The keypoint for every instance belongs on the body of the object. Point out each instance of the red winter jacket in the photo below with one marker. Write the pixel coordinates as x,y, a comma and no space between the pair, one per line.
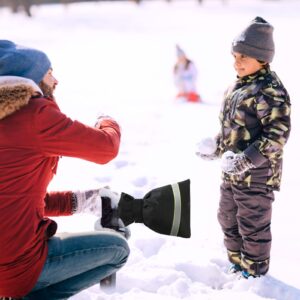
33,134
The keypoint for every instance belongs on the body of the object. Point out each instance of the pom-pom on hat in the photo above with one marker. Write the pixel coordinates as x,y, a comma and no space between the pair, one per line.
16,60
256,41
179,51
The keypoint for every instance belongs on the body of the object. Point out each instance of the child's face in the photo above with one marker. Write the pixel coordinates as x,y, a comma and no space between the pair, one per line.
181,59
245,65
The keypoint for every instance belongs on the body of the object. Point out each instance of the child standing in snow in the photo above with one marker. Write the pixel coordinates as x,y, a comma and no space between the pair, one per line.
255,125
185,76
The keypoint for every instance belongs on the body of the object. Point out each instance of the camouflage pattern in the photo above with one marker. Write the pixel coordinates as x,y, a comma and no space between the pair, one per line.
255,268
255,118
235,257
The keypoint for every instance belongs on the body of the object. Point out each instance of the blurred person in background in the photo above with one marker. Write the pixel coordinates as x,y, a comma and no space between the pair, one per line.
185,77
16,5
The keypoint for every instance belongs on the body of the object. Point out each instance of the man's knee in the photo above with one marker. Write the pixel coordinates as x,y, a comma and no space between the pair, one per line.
122,249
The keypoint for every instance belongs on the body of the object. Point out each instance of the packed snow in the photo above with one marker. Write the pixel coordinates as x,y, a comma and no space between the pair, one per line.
117,58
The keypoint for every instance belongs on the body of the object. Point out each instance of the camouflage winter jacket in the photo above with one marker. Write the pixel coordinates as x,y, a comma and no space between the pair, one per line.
255,118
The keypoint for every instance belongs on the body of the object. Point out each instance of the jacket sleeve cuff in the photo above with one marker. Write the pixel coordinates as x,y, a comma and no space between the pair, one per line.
59,204
255,156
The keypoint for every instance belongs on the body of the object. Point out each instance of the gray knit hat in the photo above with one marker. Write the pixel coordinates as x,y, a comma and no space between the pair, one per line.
20,61
256,41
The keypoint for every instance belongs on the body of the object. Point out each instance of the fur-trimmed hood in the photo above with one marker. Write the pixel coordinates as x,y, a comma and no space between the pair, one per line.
15,92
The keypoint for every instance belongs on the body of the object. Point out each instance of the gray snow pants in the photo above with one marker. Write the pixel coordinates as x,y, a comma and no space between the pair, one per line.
245,217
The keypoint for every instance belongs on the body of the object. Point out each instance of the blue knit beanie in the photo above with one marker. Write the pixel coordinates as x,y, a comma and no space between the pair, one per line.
16,60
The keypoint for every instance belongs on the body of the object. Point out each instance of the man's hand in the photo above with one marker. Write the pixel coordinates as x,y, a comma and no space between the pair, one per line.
91,201
100,118
102,203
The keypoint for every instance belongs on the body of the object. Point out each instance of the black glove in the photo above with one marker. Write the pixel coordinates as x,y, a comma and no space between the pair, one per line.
110,219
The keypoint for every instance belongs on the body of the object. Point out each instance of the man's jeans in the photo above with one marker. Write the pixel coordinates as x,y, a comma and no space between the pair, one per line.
78,261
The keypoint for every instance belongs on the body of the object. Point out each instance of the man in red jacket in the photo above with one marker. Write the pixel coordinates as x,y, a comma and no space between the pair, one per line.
34,262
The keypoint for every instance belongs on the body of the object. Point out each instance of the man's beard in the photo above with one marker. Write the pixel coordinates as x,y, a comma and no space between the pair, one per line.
47,90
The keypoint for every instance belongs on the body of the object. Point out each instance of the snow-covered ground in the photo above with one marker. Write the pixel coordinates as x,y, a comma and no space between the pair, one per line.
117,58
